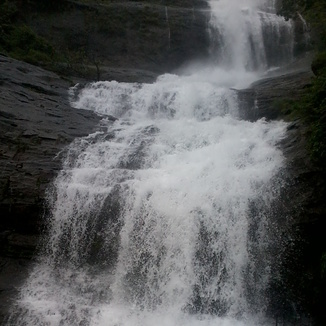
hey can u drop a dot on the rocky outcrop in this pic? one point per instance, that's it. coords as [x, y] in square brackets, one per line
[154, 36]
[299, 290]
[263, 98]
[303, 202]
[36, 123]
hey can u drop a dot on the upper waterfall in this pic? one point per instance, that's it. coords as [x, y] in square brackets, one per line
[248, 35]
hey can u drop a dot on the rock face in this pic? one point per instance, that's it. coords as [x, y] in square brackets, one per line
[299, 289]
[154, 35]
[36, 122]
[263, 98]
[303, 204]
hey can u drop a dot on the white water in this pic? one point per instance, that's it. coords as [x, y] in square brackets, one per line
[247, 35]
[152, 220]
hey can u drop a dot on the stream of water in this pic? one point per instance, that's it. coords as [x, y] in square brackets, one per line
[161, 217]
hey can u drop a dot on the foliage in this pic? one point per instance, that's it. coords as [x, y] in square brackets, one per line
[18, 40]
[25, 45]
[312, 106]
[314, 12]
[290, 7]
[314, 110]
[319, 64]
[323, 265]
[46, 6]
[315, 101]
[8, 11]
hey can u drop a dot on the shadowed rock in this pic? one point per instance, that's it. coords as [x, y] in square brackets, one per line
[36, 122]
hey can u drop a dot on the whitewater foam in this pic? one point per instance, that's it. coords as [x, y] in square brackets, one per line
[161, 218]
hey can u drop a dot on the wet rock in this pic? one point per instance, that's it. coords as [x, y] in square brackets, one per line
[299, 290]
[13, 271]
[263, 98]
[36, 123]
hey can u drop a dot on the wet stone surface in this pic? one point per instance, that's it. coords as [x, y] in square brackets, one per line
[36, 123]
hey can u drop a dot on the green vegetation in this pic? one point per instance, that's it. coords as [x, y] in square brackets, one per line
[77, 51]
[310, 282]
[314, 12]
[312, 110]
[312, 106]
[23, 44]
[19, 41]
[323, 265]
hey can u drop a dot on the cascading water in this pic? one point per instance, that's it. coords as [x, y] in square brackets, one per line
[248, 35]
[161, 218]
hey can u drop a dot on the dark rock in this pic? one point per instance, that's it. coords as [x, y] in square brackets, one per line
[299, 291]
[125, 39]
[263, 98]
[13, 271]
[36, 123]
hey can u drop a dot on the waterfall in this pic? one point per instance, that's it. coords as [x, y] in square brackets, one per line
[168, 25]
[162, 217]
[249, 36]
